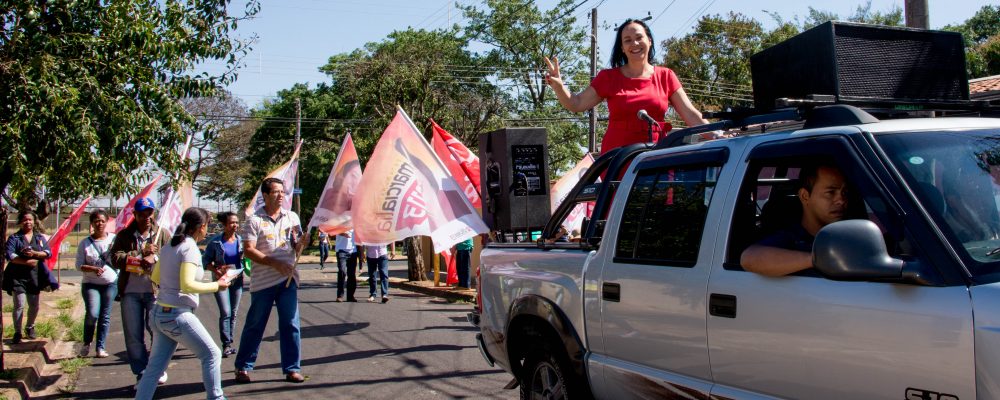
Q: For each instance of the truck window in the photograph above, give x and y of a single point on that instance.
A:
(664, 215)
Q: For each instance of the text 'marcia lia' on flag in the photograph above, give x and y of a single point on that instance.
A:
(286, 172)
(462, 163)
(333, 212)
(406, 191)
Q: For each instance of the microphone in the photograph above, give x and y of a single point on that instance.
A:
(643, 115)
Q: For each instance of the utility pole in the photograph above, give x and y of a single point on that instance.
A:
(917, 15)
(298, 136)
(592, 134)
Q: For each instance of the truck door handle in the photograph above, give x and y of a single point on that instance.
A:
(611, 292)
(722, 305)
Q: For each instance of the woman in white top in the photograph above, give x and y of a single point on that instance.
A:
(179, 276)
(100, 282)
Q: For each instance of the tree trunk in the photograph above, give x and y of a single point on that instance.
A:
(416, 270)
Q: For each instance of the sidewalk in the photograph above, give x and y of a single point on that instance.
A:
(309, 272)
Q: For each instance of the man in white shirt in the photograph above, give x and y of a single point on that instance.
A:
(347, 266)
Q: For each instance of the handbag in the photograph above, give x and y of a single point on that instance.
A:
(110, 275)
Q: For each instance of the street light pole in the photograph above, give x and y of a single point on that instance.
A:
(298, 136)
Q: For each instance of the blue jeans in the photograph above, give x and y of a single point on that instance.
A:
(136, 308)
(174, 326)
(229, 302)
(324, 252)
(463, 264)
(347, 268)
(97, 299)
(382, 264)
(290, 340)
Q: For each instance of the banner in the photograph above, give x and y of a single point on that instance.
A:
(125, 216)
(462, 163)
(565, 185)
(407, 191)
(286, 172)
(333, 212)
(55, 241)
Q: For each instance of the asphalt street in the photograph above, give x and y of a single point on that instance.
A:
(413, 347)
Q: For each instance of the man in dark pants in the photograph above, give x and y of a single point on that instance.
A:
(347, 266)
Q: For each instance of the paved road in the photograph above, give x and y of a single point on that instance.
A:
(414, 347)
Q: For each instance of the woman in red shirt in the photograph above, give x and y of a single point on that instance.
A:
(632, 83)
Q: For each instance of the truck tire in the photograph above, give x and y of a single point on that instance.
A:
(546, 375)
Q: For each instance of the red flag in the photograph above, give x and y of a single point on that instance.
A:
(406, 192)
(563, 186)
(333, 212)
(462, 163)
(56, 240)
(449, 260)
(125, 217)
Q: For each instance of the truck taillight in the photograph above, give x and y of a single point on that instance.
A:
(479, 291)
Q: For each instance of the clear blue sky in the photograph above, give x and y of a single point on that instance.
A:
(297, 36)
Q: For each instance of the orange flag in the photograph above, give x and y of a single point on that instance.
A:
(462, 163)
(407, 191)
(333, 212)
(56, 240)
(286, 172)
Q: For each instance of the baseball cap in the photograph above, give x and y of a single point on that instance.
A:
(144, 204)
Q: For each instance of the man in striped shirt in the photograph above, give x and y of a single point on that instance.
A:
(272, 239)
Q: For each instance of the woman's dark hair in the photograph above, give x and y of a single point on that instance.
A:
(23, 214)
(98, 213)
(191, 221)
(618, 55)
(223, 217)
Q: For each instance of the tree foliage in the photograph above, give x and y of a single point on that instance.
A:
(982, 41)
(221, 142)
(89, 89)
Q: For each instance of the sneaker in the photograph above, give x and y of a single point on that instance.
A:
(16, 339)
(29, 333)
(85, 350)
(371, 299)
(295, 377)
(242, 376)
(385, 299)
(163, 378)
(101, 353)
(227, 350)
(321, 267)
(340, 300)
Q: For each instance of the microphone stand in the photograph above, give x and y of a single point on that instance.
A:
(650, 132)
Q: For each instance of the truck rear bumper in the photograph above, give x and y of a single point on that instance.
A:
(473, 318)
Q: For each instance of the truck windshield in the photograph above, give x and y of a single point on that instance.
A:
(956, 176)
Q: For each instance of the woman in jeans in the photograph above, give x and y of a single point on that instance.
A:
(223, 253)
(25, 277)
(179, 276)
(100, 282)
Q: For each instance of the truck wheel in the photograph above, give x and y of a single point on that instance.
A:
(544, 376)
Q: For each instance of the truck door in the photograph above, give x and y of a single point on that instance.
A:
(652, 304)
(804, 336)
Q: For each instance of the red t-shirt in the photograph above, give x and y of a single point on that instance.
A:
(626, 96)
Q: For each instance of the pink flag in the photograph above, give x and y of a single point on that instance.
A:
(125, 217)
(408, 192)
(562, 188)
(286, 172)
(173, 207)
(463, 164)
(56, 240)
(333, 212)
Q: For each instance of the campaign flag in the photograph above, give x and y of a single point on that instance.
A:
(57, 238)
(407, 191)
(173, 207)
(565, 185)
(333, 212)
(125, 216)
(449, 260)
(462, 163)
(286, 172)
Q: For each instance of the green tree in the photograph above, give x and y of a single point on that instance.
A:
(982, 41)
(89, 89)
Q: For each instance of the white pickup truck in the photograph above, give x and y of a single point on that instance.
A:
(903, 301)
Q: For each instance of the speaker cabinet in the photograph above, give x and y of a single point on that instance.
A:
(862, 62)
(514, 177)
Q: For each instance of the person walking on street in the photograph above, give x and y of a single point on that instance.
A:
(178, 276)
(463, 263)
(26, 274)
(347, 265)
(100, 283)
(378, 261)
(133, 253)
(272, 239)
(324, 248)
(224, 253)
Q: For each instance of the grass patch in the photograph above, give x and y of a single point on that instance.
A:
(75, 331)
(73, 365)
(65, 304)
(8, 331)
(9, 307)
(65, 319)
(46, 329)
(10, 374)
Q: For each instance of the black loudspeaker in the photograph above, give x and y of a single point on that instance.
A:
(862, 62)
(514, 177)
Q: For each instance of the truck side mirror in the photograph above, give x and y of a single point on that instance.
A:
(854, 250)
